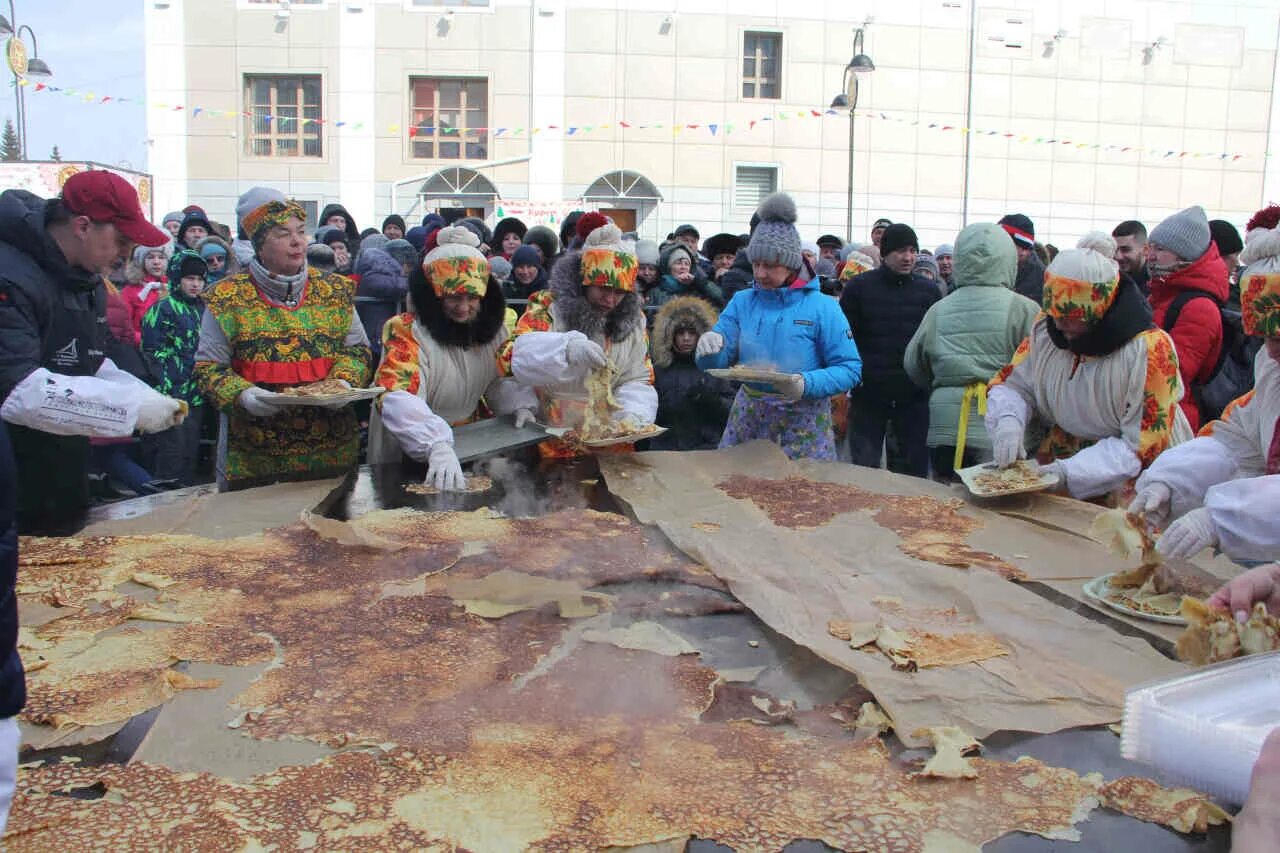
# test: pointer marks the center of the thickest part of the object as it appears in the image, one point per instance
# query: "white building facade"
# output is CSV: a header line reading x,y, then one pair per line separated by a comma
x,y
1078,113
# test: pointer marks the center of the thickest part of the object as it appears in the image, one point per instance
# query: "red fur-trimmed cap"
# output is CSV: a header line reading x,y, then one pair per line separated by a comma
x,y
588,222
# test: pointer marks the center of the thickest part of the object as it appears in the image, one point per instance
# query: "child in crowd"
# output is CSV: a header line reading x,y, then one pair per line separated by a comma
x,y
146,287
170,333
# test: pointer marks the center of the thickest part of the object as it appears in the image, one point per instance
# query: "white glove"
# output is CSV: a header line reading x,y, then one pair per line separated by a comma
x,y
709,344
336,404
157,413
630,418
524,417
1006,442
1152,503
584,353
792,388
444,471
251,400
1189,535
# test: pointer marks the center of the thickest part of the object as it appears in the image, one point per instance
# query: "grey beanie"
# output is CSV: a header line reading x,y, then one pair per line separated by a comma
x,y
175,216
402,250
500,267
1186,233
646,252
776,240
944,251
254,198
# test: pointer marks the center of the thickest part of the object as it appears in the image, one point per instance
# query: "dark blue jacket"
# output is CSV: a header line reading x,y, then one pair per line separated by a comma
x,y
379,297
884,310
13,684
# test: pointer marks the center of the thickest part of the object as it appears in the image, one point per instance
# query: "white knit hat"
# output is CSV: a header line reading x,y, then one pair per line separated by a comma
x,y
456,266
1100,241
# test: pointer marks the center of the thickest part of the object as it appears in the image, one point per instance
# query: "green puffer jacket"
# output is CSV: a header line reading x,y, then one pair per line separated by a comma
x,y
970,334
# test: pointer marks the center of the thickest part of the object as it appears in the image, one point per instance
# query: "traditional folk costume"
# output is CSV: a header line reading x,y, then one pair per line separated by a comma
x,y
275,332
1223,487
1109,397
560,323
796,329
440,373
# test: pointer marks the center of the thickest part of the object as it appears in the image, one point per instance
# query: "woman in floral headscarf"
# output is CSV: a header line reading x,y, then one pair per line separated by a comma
x,y
588,317
439,362
1224,486
1096,372
280,325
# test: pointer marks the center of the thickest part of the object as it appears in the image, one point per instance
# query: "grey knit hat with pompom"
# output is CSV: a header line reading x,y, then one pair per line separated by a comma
x,y
776,240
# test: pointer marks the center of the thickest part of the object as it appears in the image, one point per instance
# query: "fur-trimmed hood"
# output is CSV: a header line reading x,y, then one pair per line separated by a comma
x,y
680,311
573,309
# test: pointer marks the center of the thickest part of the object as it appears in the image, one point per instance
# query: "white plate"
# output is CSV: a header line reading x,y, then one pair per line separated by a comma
x,y
1099,588
351,396
969,477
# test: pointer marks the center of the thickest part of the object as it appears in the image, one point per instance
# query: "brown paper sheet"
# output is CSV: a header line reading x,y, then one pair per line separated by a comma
x,y
1062,670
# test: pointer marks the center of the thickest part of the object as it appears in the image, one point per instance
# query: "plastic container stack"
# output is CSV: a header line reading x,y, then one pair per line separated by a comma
x,y
1205,729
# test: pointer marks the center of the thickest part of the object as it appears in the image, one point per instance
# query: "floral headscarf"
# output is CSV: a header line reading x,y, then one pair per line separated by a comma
x,y
1080,284
607,261
456,267
269,214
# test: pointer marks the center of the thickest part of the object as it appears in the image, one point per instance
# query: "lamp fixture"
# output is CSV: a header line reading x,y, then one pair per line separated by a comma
x,y
6,28
1051,44
859,66
1149,52
665,27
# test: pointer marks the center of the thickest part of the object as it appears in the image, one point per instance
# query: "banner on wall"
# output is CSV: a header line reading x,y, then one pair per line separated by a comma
x,y
45,178
549,213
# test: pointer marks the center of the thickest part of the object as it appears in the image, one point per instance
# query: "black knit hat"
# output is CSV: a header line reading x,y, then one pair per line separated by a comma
x,y
722,244
394,219
1020,228
195,217
830,240
897,236
1225,236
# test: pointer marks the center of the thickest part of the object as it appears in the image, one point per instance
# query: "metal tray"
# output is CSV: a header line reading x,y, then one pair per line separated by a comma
x,y
352,396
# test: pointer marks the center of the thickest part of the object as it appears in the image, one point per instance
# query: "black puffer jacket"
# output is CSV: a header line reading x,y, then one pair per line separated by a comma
x,y
737,277
693,405
1030,281
884,309
13,687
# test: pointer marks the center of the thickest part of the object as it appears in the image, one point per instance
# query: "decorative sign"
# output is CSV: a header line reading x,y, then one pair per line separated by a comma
x,y
550,213
17,53
46,179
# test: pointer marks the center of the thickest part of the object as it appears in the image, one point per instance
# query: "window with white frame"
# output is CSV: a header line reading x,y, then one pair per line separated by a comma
x,y
450,118
762,65
429,5
278,4
751,184
284,115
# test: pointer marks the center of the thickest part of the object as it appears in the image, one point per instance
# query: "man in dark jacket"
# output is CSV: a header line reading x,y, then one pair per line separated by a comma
x,y
884,308
383,286
57,387
1022,231
13,685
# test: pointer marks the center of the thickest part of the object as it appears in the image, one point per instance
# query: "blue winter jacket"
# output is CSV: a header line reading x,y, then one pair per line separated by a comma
x,y
795,329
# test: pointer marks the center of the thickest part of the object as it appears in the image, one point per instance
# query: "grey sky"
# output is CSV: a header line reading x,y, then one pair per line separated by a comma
x,y
92,46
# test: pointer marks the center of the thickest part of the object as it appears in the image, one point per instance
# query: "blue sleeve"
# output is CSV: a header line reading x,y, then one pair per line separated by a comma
x,y
842,366
729,327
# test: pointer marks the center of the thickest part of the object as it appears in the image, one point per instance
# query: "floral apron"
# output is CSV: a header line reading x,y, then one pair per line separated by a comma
x,y
802,428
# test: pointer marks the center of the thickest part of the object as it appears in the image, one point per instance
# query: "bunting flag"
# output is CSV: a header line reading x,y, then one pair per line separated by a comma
x,y
714,127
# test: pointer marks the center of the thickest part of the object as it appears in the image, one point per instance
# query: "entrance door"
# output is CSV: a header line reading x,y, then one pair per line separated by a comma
x,y
463,212
624,218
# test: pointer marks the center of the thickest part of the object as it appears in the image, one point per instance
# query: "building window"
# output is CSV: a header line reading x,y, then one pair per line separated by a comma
x,y
264,4
284,115
450,118
751,184
761,65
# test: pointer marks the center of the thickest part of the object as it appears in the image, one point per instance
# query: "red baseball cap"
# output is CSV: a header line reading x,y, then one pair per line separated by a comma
x,y
105,197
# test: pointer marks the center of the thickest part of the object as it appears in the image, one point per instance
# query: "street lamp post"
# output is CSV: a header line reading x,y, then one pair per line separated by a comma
x,y
22,66
859,65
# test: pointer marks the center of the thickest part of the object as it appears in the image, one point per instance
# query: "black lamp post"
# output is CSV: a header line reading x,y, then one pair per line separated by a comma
x,y
859,65
21,65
